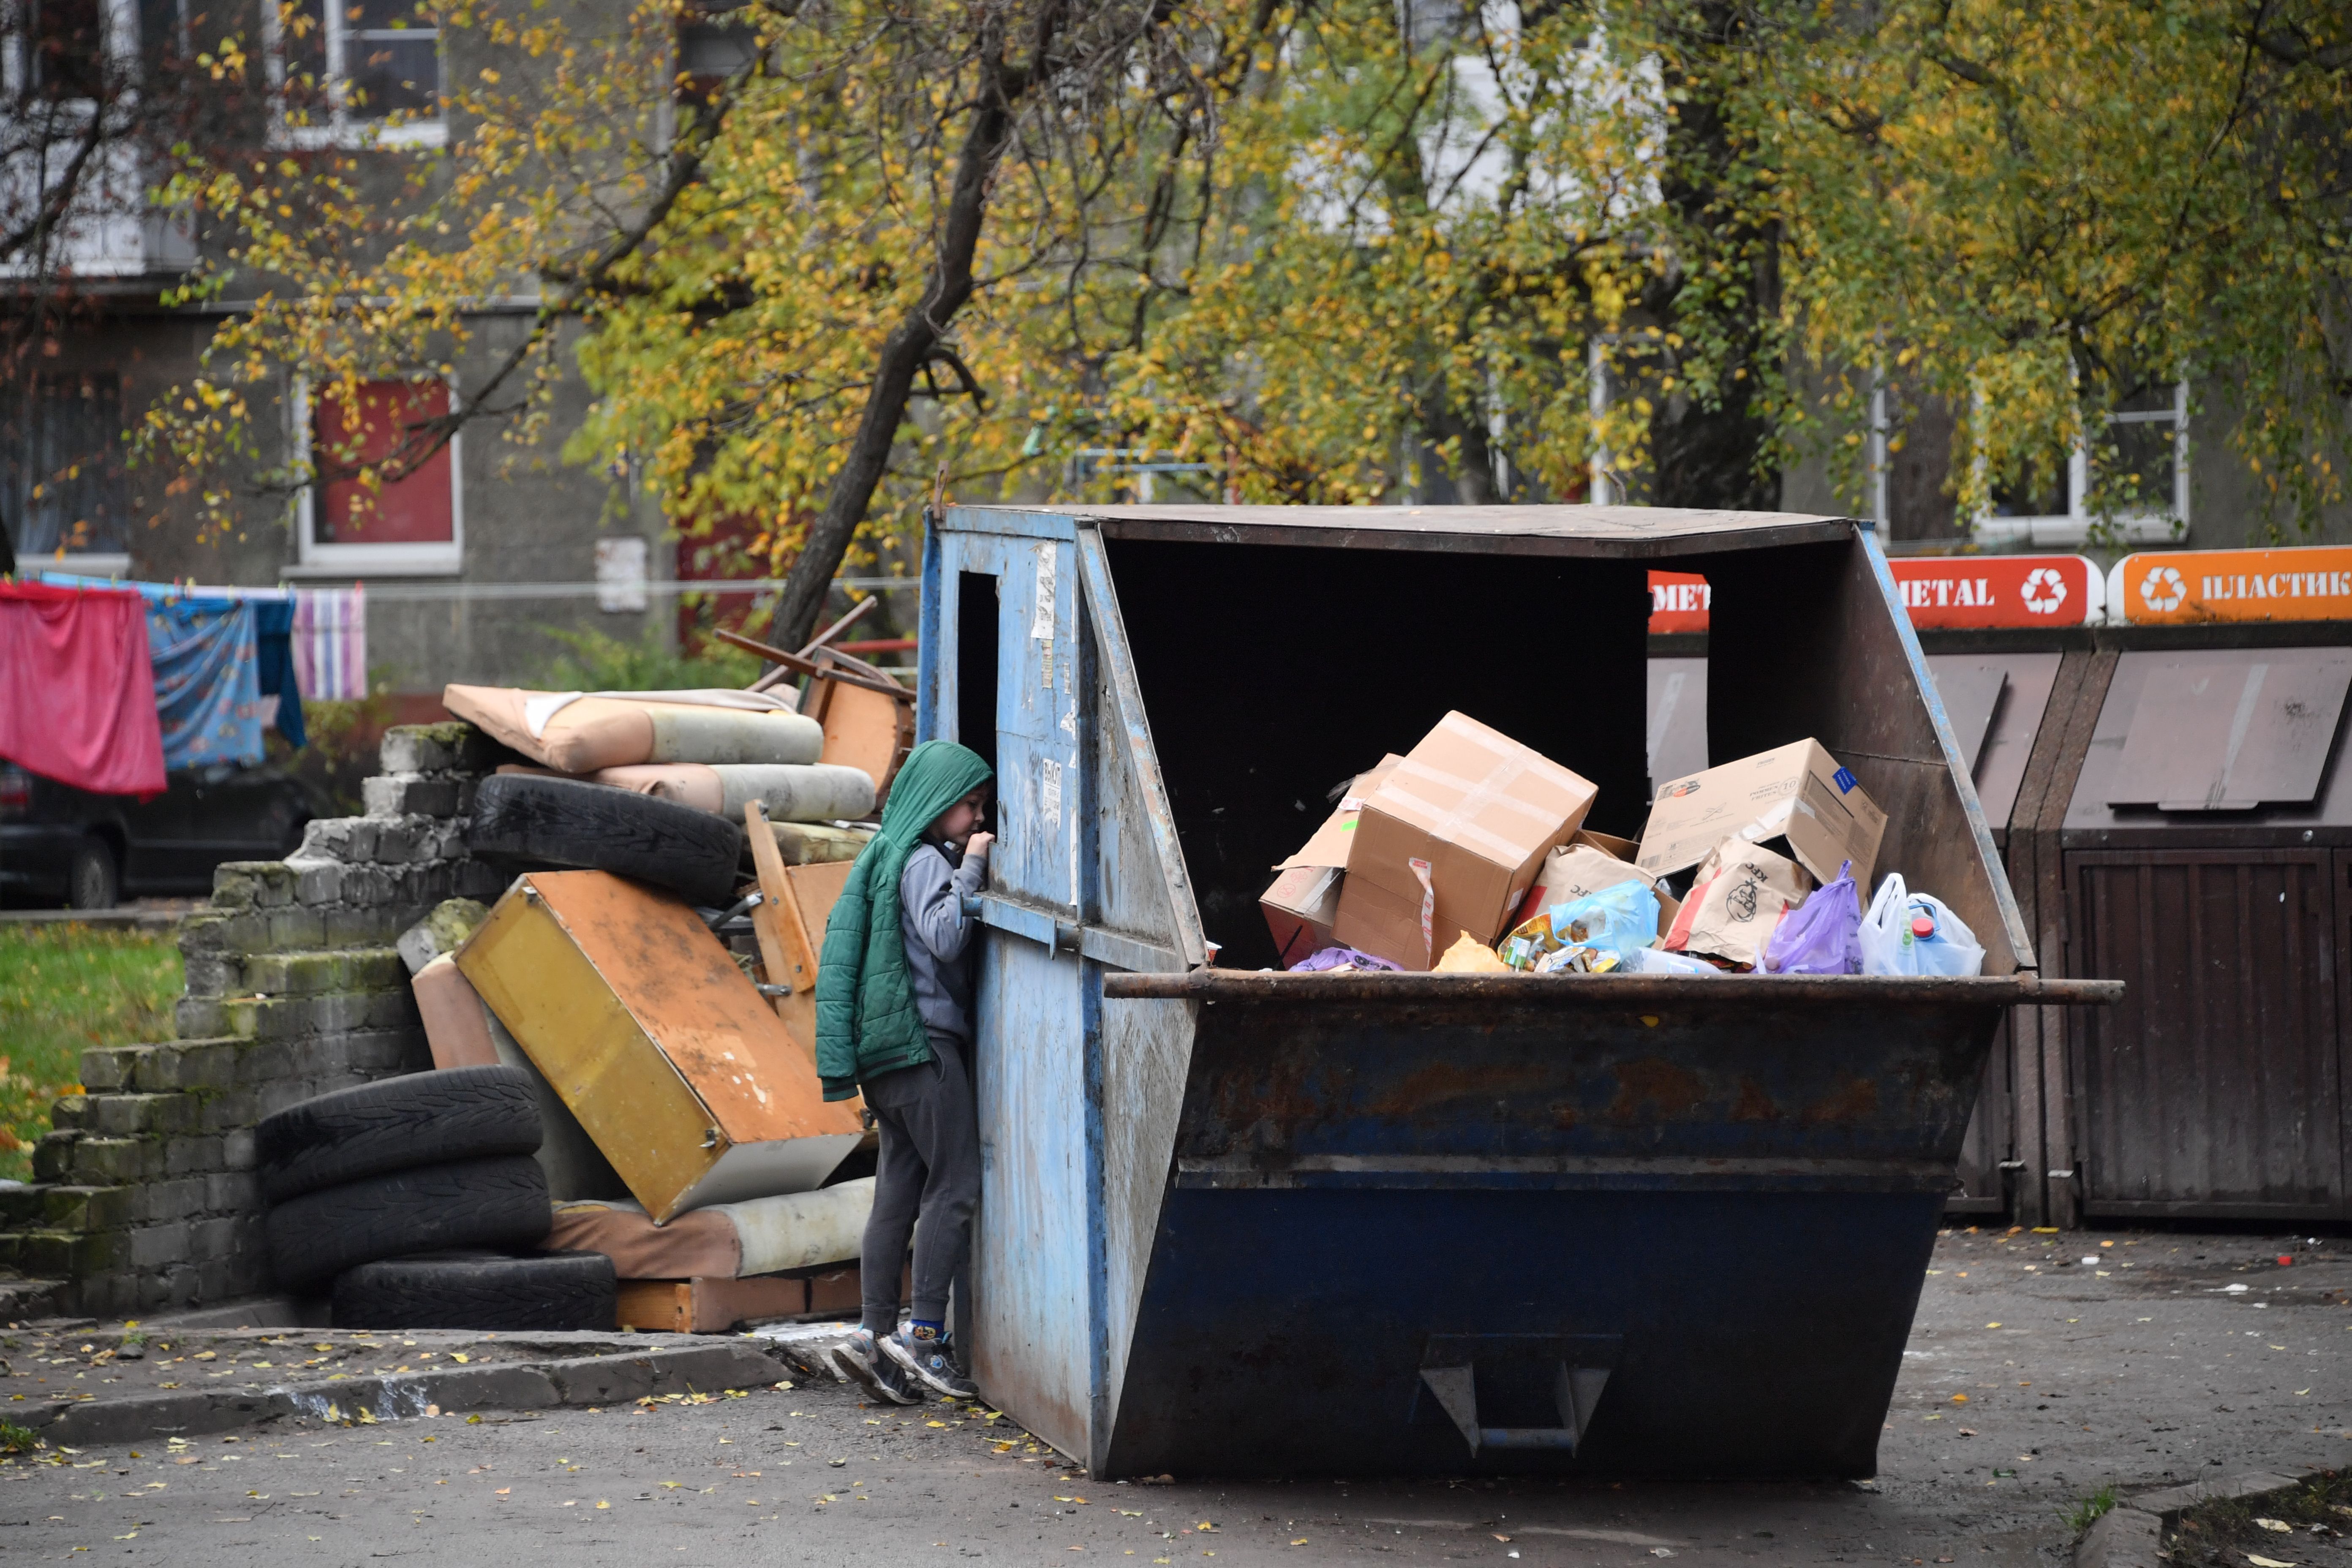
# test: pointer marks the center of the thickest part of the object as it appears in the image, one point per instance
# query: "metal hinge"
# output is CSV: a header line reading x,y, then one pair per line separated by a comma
x,y
2012,1164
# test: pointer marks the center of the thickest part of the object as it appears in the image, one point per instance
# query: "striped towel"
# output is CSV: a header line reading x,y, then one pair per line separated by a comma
x,y
330,642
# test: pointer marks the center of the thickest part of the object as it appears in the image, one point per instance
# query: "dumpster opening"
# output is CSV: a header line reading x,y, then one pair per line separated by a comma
x,y
976,637
1374,646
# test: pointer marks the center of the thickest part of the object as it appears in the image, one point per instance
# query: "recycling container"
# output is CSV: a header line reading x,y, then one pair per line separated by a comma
x,y
1236,1222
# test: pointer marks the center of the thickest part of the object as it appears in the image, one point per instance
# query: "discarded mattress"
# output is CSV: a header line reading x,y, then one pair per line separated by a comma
x,y
817,791
579,733
723,1241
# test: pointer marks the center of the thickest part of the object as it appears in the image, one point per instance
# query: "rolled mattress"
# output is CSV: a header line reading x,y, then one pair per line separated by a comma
x,y
727,1241
815,792
574,733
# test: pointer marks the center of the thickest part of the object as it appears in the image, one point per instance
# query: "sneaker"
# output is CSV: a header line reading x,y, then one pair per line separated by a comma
x,y
926,1356
856,1359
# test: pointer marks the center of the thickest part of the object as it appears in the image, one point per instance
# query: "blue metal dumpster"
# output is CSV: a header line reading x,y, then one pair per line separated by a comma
x,y
1236,1222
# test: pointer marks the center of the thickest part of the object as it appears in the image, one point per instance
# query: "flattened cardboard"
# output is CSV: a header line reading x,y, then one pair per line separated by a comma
x,y
1482,810
1798,792
651,1037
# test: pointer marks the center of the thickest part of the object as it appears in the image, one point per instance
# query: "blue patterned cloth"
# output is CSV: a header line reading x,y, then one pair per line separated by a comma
x,y
207,680
272,653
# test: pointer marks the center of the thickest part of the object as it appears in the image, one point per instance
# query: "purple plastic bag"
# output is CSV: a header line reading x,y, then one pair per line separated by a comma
x,y
1339,957
1823,934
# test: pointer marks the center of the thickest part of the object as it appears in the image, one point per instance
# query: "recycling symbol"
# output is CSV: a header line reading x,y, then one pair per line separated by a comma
x,y
2163,590
2045,590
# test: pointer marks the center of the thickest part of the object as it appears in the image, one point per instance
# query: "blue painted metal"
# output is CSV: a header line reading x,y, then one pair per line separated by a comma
x,y
1259,1223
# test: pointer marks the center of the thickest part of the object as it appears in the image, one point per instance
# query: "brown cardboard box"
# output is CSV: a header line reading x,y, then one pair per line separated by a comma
x,y
1797,793
1305,897
1482,810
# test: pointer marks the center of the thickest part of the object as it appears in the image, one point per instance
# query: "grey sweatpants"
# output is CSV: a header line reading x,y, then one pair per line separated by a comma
x,y
929,1166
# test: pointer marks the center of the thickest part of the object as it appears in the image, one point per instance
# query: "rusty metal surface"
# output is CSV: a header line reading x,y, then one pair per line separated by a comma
x,y
2217,1088
1735,1189
1625,533
1737,993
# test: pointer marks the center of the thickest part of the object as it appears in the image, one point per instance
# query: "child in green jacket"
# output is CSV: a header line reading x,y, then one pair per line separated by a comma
x,y
894,1000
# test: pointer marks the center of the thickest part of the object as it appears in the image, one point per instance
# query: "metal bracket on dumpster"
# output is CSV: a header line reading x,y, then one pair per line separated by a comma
x,y
1579,1367
1053,928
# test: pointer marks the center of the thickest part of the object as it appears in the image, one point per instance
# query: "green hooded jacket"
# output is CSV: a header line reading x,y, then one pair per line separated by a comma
x,y
865,1019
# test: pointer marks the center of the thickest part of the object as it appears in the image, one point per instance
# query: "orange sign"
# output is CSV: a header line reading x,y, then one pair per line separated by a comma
x,y
2169,587
1939,591
1678,602
1948,591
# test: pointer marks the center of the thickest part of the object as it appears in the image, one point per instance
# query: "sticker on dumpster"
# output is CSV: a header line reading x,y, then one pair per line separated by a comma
x,y
2300,582
1938,591
1041,620
1049,793
1679,602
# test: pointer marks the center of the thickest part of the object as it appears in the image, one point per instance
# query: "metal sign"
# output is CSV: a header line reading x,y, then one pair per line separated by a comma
x,y
1941,591
2169,587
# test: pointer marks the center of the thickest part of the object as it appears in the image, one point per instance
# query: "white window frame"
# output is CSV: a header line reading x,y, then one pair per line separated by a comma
x,y
436,558
343,129
2073,528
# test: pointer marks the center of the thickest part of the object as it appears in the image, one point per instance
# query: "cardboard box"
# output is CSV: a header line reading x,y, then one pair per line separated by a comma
x,y
651,1037
1482,811
1305,897
1797,793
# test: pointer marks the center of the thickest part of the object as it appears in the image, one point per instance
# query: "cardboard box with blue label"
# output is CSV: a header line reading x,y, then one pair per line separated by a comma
x,y
1797,800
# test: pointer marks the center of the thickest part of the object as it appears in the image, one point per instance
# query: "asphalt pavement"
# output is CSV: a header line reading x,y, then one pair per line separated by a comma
x,y
2033,1379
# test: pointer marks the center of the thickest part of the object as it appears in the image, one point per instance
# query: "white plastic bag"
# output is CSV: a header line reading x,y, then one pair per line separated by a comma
x,y
1904,933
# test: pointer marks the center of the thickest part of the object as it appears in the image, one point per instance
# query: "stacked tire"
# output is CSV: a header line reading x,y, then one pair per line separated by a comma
x,y
416,1201
532,821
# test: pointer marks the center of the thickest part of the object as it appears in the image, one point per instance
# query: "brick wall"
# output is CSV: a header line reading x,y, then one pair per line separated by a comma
x,y
144,1197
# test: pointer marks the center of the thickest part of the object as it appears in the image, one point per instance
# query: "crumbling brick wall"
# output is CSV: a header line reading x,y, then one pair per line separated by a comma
x,y
144,1196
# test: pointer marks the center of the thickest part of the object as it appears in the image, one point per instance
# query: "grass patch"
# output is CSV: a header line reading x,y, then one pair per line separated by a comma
x,y
2225,1534
63,989
2090,1510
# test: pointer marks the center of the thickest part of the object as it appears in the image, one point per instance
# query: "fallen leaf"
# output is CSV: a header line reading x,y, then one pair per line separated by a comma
x,y
504,1490
602,1502
1959,1399
1967,1431
2279,1525
1504,1539
2267,1562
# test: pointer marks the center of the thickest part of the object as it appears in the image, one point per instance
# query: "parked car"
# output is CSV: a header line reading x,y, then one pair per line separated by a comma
x,y
62,843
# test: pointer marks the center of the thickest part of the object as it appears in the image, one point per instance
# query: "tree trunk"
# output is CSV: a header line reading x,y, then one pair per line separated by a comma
x,y
909,344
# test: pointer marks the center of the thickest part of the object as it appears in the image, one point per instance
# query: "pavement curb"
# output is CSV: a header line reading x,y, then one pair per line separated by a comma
x,y
508,1385
2131,1534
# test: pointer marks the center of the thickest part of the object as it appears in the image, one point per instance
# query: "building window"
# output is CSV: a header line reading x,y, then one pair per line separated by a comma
x,y
66,49
2137,479
710,50
62,476
414,523
361,68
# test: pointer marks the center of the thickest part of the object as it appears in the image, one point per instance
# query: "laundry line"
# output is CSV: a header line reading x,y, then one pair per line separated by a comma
x,y
383,591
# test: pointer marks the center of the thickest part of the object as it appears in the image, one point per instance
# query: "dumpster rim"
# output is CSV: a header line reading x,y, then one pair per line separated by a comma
x,y
2024,988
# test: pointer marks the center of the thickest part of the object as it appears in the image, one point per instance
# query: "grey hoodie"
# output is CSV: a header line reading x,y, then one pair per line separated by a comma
x,y
937,933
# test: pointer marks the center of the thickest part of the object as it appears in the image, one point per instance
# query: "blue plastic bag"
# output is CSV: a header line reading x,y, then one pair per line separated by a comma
x,y
1617,919
1823,934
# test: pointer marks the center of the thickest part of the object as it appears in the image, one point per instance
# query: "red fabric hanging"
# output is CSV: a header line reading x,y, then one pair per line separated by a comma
x,y
77,689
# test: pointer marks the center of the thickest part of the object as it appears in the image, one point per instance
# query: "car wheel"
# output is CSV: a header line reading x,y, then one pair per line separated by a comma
x,y
552,1290
526,822
498,1204
415,1118
93,881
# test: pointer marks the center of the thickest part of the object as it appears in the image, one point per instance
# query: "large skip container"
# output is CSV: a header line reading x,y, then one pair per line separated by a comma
x,y
1243,1223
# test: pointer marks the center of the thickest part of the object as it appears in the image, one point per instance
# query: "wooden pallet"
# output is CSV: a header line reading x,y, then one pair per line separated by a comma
x,y
713,1305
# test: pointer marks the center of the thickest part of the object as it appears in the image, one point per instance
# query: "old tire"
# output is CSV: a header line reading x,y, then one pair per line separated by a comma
x,y
526,822
499,1203
480,1291
417,1119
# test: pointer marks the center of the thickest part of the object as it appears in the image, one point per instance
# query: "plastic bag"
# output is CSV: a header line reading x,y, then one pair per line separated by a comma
x,y
1656,960
1616,919
1342,960
1823,934
1916,933
1470,956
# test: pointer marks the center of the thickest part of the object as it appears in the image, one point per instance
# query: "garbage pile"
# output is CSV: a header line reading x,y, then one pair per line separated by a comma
x,y
624,1120
1469,854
